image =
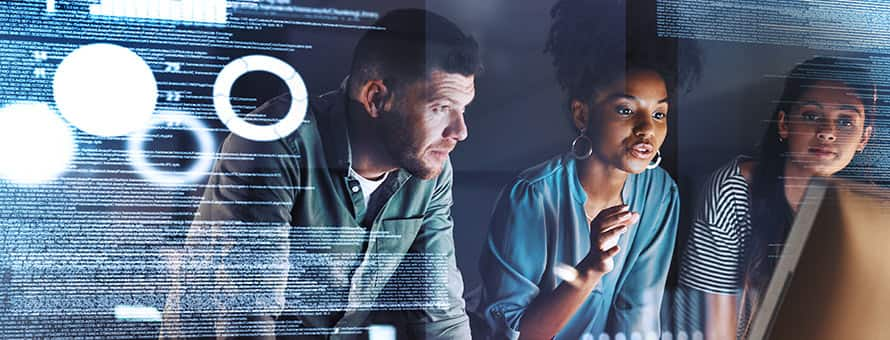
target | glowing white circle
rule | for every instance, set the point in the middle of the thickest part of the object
(682, 335)
(194, 173)
(36, 145)
(105, 90)
(263, 133)
(381, 332)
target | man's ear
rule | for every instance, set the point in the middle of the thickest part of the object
(374, 97)
(580, 114)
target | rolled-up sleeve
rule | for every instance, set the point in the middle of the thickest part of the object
(513, 259)
(229, 278)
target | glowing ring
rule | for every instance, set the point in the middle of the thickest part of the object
(263, 133)
(196, 172)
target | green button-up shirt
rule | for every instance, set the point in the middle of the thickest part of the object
(283, 233)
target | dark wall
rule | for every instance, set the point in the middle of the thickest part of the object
(519, 117)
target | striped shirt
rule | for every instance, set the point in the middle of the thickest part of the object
(714, 256)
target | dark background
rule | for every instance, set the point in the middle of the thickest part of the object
(520, 118)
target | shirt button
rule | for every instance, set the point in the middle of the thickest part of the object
(355, 189)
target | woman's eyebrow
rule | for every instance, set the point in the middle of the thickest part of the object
(620, 96)
(630, 97)
(810, 102)
(848, 107)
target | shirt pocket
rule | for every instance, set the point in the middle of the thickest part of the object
(396, 235)
(394, 261)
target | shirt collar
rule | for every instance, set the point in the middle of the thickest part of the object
(578, 190)
(330, 111)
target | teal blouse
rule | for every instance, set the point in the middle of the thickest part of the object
(539, 222)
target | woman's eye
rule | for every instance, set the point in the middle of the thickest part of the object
(659, 115)
(809, 116)
(845, 122)
(441, 108)
(624, 111)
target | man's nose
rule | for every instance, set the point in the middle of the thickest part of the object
(457, 129)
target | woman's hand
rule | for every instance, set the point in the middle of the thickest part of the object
(605, 229)
(549, 312)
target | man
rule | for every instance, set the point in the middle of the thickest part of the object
(343, 226)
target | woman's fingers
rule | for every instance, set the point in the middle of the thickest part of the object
(606, 261)
(608, 254)
(611, 212)
(605, 231)
(609, 239)
(613, 221)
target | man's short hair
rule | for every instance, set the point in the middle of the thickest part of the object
(407, 45)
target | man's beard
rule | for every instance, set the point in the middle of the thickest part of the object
(401, 142)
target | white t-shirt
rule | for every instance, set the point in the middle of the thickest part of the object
(368, 186)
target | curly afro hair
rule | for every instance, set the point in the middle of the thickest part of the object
(593, 42)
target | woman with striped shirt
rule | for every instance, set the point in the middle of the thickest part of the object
(820, 123)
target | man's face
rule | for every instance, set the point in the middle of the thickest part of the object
(427, 121)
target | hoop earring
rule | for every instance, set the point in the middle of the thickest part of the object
(582, 146)
(657, 161)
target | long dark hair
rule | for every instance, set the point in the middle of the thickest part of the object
(771, 214)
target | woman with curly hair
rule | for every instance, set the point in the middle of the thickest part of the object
(581, 244)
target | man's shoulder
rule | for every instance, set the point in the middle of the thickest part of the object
(280, 104)
(317, 113)
(277, 105)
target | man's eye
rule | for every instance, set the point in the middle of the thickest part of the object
(659, 115)
(845, 122)
(441, 108)
(624, 111)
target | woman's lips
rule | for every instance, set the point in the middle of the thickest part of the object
(641, 150)
(823, 152)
